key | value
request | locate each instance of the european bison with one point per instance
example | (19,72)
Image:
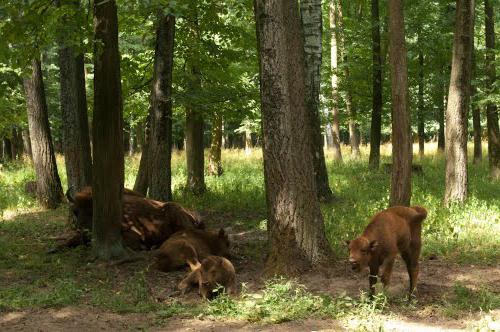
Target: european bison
(191,245)
(395,229)
(146,223)
(212,272)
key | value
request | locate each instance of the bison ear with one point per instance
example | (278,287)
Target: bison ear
(373,245)
(347,242)
(222,233)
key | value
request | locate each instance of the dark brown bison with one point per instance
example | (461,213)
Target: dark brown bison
(396,229)
(146,223)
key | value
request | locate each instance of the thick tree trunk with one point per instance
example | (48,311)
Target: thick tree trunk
(27,143)
(49,190)
(401,134)
(421,106)
(491,108)
(214,156)
(295,225)
(476,115)
(376,121)
(312,23)
(142,180)
(334,60)
(194,143)
(160,144)
(107,135)
(458,104)
(76,141)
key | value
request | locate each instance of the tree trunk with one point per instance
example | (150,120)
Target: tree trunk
(142,180)
(16,153)
(458,104)
(491,108)
(476,115)
(194,143)
(376,122)
(421,106)
(160,144)
(214,156)
(295,224)
(440,116)
(27,143)
(334,59)
(76,141)
(7,149)
(401,134)
(107,135)
(49,190)
(312,23)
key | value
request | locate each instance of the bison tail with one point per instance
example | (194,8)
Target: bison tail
(421,214)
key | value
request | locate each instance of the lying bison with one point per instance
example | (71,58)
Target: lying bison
(146,223)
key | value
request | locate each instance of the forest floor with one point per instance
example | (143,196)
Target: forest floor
(459,285)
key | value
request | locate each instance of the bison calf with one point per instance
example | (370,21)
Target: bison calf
(191,245)
(395,229)
(209,275)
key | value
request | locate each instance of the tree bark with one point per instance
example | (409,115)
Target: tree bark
(160,144)
(312,24)
(107,135)
(476,115)
(376,121)
(401,134)
(334,60)
(295,224)
(7,149)
(491,108)
(76,141)
(421,106)
(458,104)
(142,179)
(194,142)
(214,156)
(49,190)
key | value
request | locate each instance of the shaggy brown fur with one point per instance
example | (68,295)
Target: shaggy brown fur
(397,229)
(212,272)
(146,223)
(191,246)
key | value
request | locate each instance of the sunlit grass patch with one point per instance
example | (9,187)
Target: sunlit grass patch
(466,299)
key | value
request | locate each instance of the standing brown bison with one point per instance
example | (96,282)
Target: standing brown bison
(146,223)
(397,229)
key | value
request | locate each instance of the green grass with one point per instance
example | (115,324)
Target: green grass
(29,278)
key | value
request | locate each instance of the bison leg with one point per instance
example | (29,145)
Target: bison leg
(411,260)
(386,274)
(372,279)
(77,239)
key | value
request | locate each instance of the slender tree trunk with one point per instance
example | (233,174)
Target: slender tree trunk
(107,135)
(421,106)
(458,104)
(7,149)
(142,179)
(15,153)
(49,190)
(476,115)
(312,23)
(76,141)
(27,142)
(295,225)
(160,144)
(214,157)
(440,116)
(334,57)
(491,108)
(194,142)
(401,134)
(376,122)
